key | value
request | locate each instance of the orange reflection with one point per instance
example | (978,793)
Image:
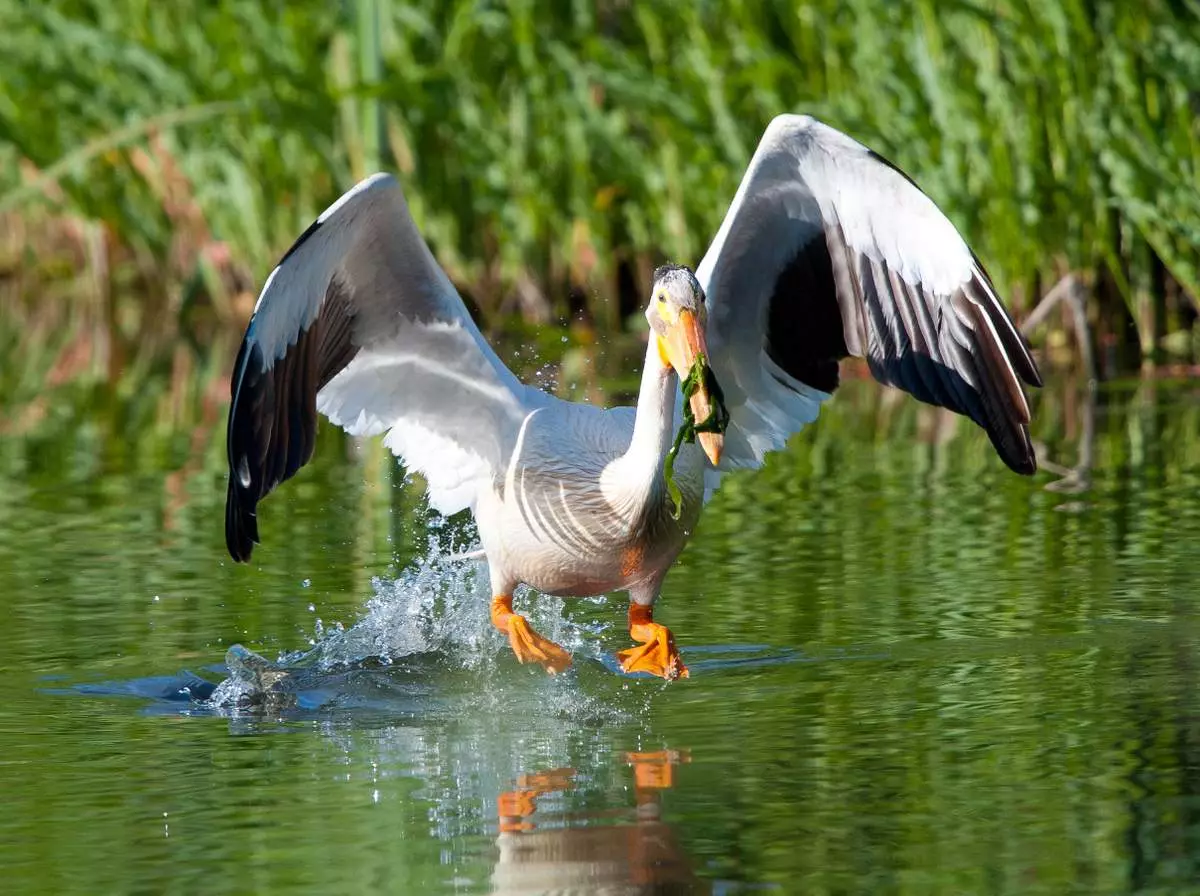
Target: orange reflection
(600,850)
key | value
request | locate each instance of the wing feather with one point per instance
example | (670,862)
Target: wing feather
(830,251)
(359,322)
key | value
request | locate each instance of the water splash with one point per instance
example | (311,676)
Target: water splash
(430,623)
(425,647)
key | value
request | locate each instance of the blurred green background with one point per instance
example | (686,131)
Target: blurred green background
(913,671)
(157,158)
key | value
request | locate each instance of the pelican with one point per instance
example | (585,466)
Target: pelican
(827,251)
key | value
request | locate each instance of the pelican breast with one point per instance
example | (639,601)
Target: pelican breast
(569,518)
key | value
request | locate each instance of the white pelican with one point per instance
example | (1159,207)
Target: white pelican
(827,251)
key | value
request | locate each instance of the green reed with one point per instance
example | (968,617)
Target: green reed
(554,152)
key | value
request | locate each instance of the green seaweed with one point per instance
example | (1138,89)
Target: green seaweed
(717,421)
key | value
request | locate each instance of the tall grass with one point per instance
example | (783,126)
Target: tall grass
(553,152)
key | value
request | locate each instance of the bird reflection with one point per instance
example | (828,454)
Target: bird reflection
(616,852)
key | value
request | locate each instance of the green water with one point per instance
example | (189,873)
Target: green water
(912,672)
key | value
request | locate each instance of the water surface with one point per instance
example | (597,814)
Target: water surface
(912,672)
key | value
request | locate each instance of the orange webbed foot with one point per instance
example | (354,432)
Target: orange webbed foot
(528,645)
(657,654)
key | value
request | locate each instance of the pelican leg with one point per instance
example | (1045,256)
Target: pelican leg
(528,645)
(657,654)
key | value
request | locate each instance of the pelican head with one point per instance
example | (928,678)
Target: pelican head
(678,317)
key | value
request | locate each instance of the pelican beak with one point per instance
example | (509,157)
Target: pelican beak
(681,345)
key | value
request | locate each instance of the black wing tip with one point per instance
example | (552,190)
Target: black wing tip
(1018,350)
(241,523)
(1033,376)
(1025,464)
(1015,448)
(1021,356)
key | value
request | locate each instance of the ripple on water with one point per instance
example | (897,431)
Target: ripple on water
(424,648)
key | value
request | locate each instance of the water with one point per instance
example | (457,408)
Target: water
(912,672)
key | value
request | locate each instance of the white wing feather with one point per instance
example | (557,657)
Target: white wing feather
(359,322)
(886,246)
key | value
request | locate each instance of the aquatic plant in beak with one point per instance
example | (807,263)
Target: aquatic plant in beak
(700,380)
(679,320)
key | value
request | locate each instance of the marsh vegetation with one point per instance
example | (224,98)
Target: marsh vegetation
(155,159)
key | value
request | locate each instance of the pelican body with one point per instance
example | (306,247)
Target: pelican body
(594,517)
(827,251)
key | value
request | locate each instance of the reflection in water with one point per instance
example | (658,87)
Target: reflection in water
(912,673)
(602,854)
(1079,416)
(611,847)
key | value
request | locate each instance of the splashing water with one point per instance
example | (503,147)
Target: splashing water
(430,622)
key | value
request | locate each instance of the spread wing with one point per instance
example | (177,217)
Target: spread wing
(359,322)
(829,251)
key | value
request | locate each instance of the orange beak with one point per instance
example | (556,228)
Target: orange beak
(682,344)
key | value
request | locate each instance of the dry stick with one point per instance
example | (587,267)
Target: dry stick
(1070,290)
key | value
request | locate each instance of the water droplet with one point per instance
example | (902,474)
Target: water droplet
(312,608)
(307,583)
(156,598)
(564,340)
